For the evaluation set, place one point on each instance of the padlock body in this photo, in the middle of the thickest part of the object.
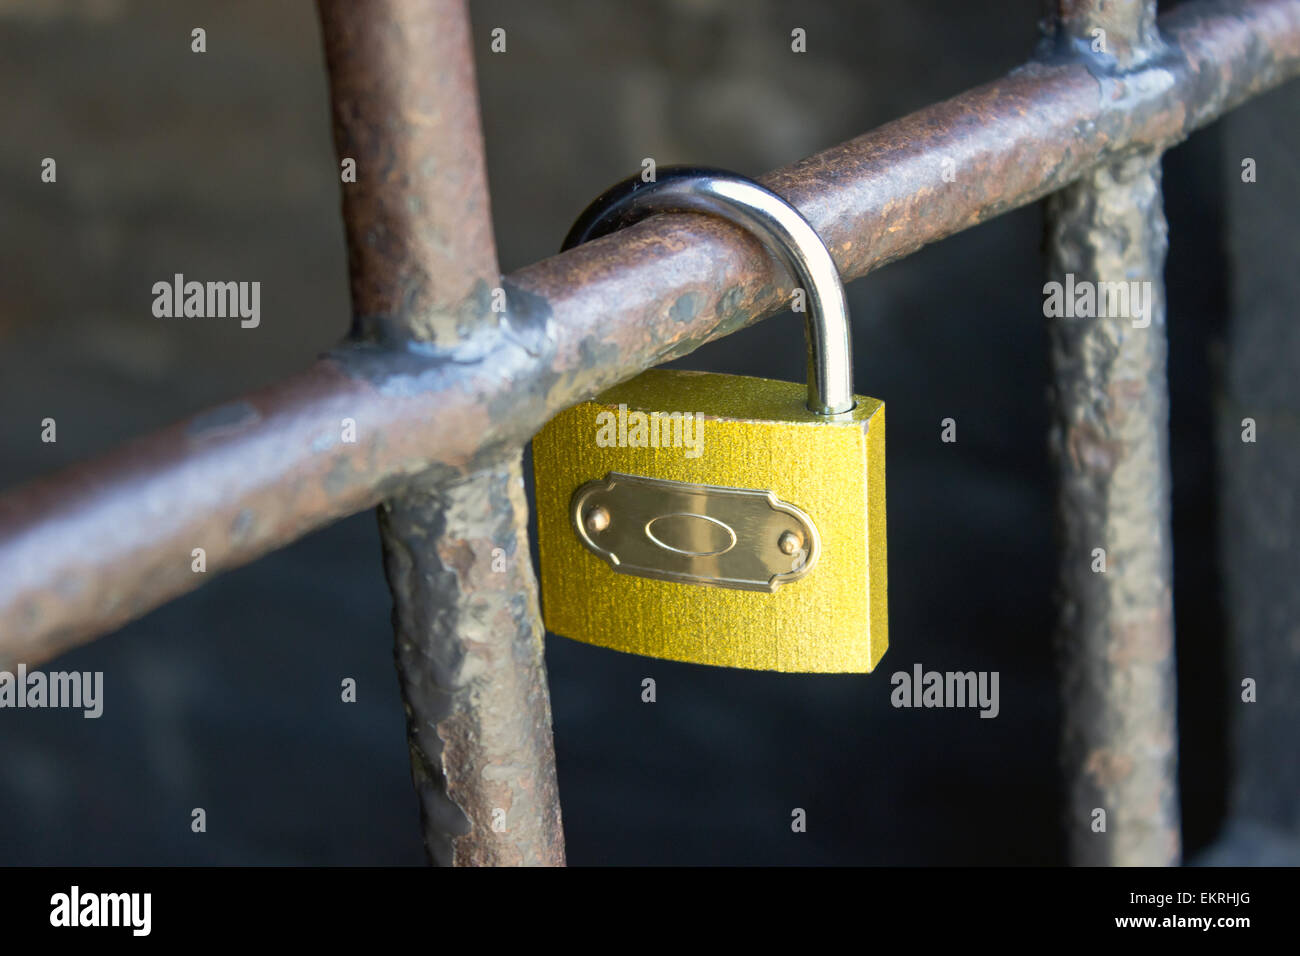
(749, 434)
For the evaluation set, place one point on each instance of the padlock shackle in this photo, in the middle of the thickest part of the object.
(782, 230)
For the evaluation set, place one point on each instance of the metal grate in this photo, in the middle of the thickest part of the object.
(447, 419)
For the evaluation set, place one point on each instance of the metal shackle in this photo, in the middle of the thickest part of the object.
(781, 229)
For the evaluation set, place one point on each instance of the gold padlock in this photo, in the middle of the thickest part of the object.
(721, 519)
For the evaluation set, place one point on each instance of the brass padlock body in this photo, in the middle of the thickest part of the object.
(757, 434)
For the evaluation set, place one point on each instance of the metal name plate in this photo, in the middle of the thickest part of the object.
(699, 534)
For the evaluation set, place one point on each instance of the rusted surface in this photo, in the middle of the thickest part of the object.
(1110, 442)
(596, 315)
(418, 225)
(1122, 31)
(469, 655)
(466, 617)
(101, 543)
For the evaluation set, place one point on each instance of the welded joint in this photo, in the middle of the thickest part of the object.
(1116, 35)
(1121, 46)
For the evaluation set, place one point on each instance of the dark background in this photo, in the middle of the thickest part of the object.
(221, 165)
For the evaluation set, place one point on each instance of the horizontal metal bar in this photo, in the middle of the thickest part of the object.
(89, 548)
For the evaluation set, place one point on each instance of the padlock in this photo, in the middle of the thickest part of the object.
(721, 519)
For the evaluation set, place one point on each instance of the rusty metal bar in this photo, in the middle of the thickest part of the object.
(421, 254)
(87, 549)
(422, 259)
(469, 657)
(1110, 442)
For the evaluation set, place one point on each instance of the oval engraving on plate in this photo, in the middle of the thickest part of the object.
(697, 536)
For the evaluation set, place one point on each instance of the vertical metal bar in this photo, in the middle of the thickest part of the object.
(1109, 439)
(423, 261)
(418, 221)
(469, 658)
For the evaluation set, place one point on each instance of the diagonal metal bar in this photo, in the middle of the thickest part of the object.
(87, 549)
(422, 259)
(1110, 442)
